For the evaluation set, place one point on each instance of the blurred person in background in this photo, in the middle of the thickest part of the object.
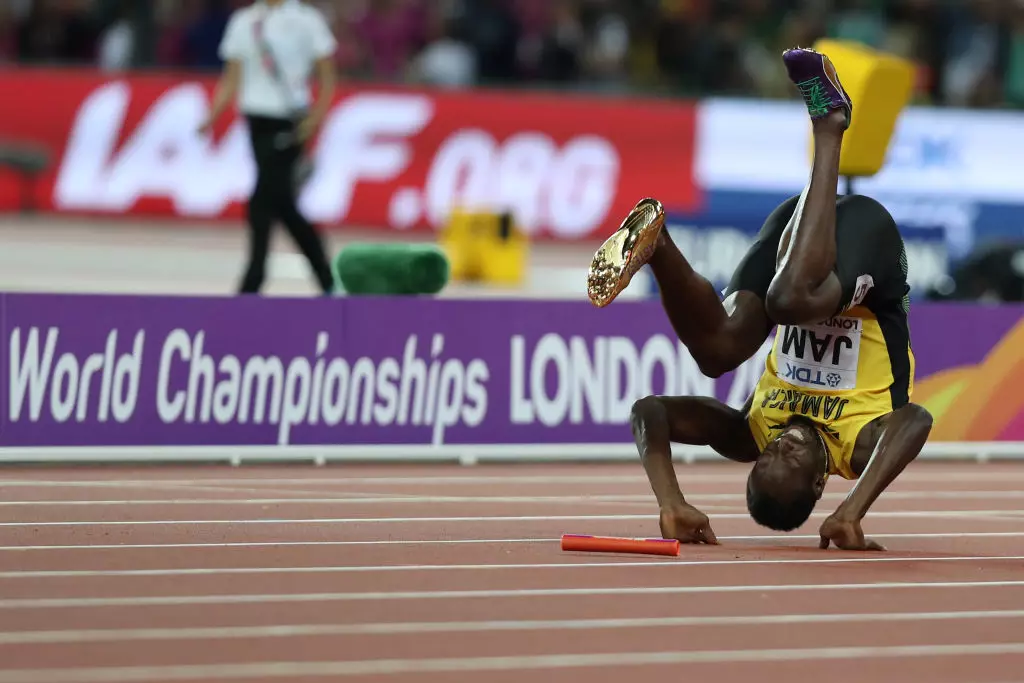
(557, 48)
(494, 31)
(917, 33)
(170, 22)
(677, 29)
(393, 31)
(993, 274)
(977, 46)
(968, 52)
(352, 59)
(1015, 57)
(447, 60)
(861, 21)
(57, 31)
(201, 39)
(118, 42)
(606, 53)
(8, 34)
(270, 50)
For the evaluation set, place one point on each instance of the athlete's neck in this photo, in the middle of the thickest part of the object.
(824, 449)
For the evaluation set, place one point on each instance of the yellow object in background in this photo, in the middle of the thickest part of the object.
(485, 247)
(880, 86)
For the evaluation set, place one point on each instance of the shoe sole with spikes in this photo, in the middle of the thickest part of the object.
(625, 252)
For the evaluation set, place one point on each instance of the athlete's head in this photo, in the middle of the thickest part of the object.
(788, 479)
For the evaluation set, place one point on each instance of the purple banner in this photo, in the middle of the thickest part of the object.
(140, 371)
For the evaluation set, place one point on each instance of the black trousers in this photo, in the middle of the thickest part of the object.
(274, 198)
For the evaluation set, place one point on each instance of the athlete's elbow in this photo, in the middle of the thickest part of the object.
(645, 412)
(912, 429)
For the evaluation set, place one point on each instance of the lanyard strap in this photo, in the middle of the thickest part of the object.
(270, 63)
(266, 54)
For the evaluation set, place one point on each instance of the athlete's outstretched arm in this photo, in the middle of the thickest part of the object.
(658, 421)
(904, 435)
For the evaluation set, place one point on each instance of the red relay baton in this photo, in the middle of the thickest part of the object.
(610, 544)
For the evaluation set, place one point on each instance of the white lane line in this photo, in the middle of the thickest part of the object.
(734, 475)
(293, 670)
(469, 541)
(882, 514)
(274, 544)
(419, 628)
(371, 498)
(172, 600)
(679, 564)
(183, 486)
(471, 480)
(350, 500)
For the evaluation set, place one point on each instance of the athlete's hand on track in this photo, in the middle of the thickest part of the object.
(686, 524)
(846, 534)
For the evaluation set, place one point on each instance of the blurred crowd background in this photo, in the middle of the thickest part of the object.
(969, 52)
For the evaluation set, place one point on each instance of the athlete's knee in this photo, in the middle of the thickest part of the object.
(787, 303)
(645, 411)
(791, 300)
(717, 363)
(721, 353)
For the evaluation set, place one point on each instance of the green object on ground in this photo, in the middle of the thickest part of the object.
(391, 269)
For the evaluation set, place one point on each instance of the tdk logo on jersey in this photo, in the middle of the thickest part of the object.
(795, 374)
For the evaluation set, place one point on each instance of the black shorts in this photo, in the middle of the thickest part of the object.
(869, 249)
(868, 245)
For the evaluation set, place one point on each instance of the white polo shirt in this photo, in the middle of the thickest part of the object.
(297, 35)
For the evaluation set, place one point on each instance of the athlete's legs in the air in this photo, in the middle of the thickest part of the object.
(721, 335)
(805, 288)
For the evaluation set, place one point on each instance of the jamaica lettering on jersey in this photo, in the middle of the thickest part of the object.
(838, 373)
(813, 406)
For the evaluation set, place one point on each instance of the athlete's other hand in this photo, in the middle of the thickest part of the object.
(686, 524)
(846, 534)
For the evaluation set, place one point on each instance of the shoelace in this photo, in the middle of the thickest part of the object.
(814, 95)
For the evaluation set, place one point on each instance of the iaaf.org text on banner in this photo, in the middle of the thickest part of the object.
(142, 371)
(567, 166)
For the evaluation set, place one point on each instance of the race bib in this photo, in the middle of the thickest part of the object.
(822, 356)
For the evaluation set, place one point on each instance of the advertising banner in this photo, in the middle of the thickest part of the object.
(568, 167)
(151, 371)
(951, 169)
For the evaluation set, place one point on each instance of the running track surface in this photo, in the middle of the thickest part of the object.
(443, 573)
